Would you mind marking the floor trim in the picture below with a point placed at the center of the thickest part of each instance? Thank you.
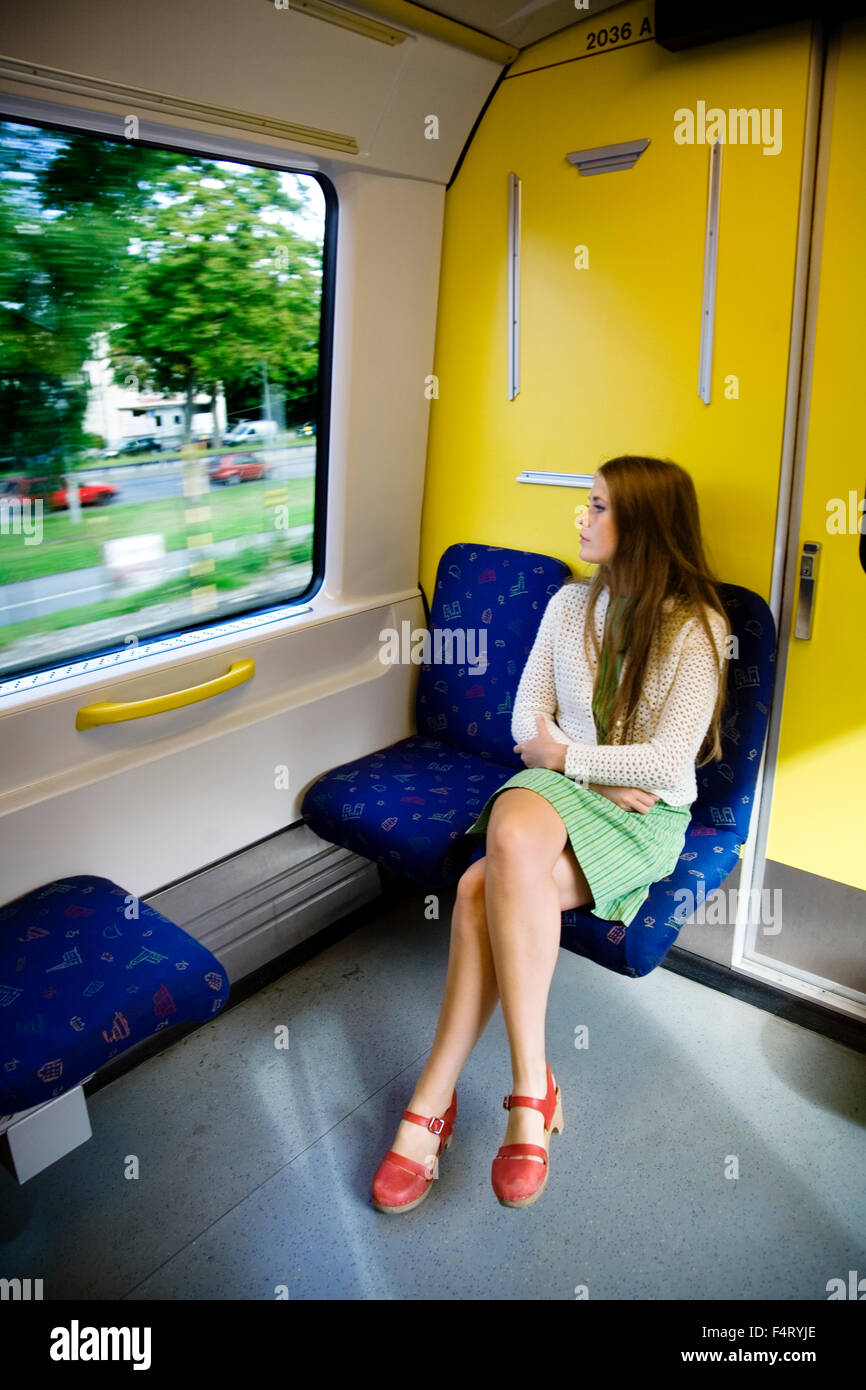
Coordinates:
(840, 1027)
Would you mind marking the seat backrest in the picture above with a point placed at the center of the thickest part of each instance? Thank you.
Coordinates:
(726, 788)
(488, 601)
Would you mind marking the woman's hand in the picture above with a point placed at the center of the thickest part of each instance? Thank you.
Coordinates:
(629, 798)
(543, 750)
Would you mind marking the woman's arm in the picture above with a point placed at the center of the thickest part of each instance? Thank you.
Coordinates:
(669, 756)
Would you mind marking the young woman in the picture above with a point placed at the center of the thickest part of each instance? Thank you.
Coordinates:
(621, 694)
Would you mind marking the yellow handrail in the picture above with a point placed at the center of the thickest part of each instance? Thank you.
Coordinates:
(89, 716)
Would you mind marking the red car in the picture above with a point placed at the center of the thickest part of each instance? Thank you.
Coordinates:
(236, 468)
(89, 494)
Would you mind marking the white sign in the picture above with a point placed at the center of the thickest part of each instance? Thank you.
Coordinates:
(135, 559)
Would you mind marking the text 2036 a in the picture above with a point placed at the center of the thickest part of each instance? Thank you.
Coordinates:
(597, 39)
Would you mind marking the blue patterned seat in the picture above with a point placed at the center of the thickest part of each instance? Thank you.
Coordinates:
(720, 813)
(406, 806)
(120, 972)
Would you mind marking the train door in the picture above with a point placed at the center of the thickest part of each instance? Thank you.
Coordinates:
(810, 835)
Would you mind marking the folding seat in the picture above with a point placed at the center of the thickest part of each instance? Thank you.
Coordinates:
(406, 806)
(87, 970)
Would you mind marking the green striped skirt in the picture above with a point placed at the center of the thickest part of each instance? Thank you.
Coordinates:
(622, 853)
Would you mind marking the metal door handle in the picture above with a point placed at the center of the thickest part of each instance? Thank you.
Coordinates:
(808, 586)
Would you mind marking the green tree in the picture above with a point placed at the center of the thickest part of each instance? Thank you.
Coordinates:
(66, 207)
(189, 263)
(218, 284)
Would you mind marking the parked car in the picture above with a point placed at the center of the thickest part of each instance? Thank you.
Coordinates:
(145, 444)
(54, 492)
(248, 430)
(237, 468)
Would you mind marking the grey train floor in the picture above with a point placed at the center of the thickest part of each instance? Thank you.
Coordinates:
(254, 1162)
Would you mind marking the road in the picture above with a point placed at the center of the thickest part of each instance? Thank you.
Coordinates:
(33, 598)
(144, 482)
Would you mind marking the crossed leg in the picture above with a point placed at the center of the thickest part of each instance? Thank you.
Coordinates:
(505, 931)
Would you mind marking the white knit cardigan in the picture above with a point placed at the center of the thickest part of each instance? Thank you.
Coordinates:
(674, 710)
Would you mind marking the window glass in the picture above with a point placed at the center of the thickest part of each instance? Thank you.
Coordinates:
(160, 318)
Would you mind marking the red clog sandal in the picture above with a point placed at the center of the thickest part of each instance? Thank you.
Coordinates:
(400, 1184)
(517, 1179)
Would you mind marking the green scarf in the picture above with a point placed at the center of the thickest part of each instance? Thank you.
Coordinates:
(615, 637)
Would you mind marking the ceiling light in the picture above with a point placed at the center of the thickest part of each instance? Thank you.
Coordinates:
(346, 19)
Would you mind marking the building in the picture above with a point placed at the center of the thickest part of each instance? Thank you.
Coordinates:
(120, 412)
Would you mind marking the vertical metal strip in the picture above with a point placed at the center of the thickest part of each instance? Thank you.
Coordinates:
(513, 286)
(817, 136)
(711, 249)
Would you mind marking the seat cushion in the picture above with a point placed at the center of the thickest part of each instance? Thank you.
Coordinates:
(87, 970)
(405, 806)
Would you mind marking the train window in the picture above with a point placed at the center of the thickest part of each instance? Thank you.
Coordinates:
(161, 328)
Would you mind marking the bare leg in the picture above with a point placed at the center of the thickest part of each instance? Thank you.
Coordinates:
(525, 838)
(471, 993)
(469, 1000)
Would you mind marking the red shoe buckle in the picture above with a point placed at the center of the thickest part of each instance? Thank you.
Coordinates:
(432, 1126)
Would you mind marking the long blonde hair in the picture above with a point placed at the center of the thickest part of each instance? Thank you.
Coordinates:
(659, 554)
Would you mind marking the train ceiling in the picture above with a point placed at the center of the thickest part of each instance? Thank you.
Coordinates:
(516, 22)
